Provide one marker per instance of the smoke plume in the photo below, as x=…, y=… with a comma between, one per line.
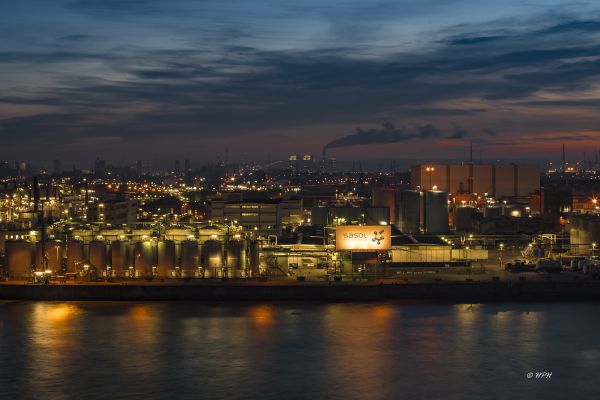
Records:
x=388, y=133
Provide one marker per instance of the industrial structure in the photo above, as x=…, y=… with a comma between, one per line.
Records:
x=496, y=180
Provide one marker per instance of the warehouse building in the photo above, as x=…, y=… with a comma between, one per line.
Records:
x=498, y=180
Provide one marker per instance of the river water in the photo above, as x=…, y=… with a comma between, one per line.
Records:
x=187, y=350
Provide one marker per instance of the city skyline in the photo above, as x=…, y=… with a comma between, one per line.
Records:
x=366, y=80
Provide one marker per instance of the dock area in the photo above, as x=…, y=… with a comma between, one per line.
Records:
x=484, y=289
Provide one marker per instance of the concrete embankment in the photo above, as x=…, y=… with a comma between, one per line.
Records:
x=455, y=291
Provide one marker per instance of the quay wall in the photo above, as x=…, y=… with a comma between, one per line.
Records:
x=451, y=291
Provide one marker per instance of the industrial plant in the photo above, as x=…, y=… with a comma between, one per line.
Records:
x=295, y=220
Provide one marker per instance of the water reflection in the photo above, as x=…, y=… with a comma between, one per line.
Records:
x=51, y=345
x=293, y=350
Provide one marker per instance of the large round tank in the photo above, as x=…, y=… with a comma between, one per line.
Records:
x=492, y=211
x=584, y=232
x=409, y=211
x=18, y=258
x=514, y=210
x=166, y=258
x=212, y=258
x=254, y=259
x=54, y=255
x=594, y=230
x=436, y=212
x=236, y=257
x=574, y=229
x=189, y=257
x=143, y=258
x=97, y=255
x=463, y=219
x=75, y=256
x=119, y=257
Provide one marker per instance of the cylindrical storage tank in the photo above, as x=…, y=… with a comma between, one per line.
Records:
x=236, y=257
x=189, y=257
x=54, y=255
x=18, y=258
x=97, y=255
x=166, y=258
x=409, y=211
x=584, y=232
x=212, y=258
x=463, y=219
x=582, y=237
x=75, y=256
x=574, y=233
x=492, y=212
x=254, y=259
x=119, y=258
x=514, y=210
x=594, y=230
x=143, y=258
x=436, y=212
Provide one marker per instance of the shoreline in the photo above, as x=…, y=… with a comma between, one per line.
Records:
x=476, y=292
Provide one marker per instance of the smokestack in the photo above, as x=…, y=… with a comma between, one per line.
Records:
x=471, y=152
x=36, y=195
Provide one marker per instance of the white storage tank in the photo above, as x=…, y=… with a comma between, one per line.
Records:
x=236, y=258
x=98, y=255
x=119, y=258
x=463, y=219
x=594, y=230
x=18, y=258
x=166, y=258
x=409, y=211
x=492, y=211
x=436, y=212
x=75, y=256
x=254, y=259
x=143, y=258
x=54, y=255
x=212, y=258
x=189, y=258
x=575, y=230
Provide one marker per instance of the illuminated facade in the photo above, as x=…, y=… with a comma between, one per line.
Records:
x=498, y=180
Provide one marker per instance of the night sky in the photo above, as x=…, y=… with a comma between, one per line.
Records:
x=400, y=79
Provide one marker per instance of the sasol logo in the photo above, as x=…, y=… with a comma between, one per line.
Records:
x=378, y=236
x=355, y=236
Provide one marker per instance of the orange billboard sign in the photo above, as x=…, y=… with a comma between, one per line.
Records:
x=366, y=237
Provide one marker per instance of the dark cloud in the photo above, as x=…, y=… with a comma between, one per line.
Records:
x=200, y=88
x=474, y=40
x=388, y=133
x=458, y=133
x=74, y=38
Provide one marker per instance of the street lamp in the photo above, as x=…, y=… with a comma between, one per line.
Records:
x=430, y=171
x=501, y=250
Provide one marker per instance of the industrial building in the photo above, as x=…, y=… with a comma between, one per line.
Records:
x=584, y=233
x=114, y=212
x=349, y=215
x=302, y=162
x=218, y=251
x=497, y=180
x=267, y=216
